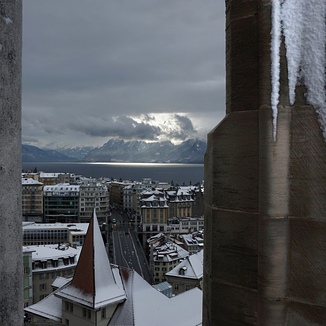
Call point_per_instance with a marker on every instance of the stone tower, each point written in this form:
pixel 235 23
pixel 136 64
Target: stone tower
pixel 11 263
pixel 265 198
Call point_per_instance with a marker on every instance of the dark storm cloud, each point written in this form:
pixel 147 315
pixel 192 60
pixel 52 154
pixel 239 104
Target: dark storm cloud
pixel 120 58
pixel 183 128
pixel 122 127
pixel 128 128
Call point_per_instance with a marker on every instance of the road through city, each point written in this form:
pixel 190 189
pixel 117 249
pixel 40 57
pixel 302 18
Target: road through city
pixel 127 250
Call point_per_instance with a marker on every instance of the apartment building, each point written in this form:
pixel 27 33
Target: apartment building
pixel 116 191
pixel 187 275
pixel 165 255
pixel 61 203
pixel 93 195
pixel 193 242
pixel 185 225
pixel 49 179
pixel 180 201
pixel 128 198
pixel 132 194
pixel 28 279
pixel 154 210
pixel 49 262
pixel 54 233
pixel 32 200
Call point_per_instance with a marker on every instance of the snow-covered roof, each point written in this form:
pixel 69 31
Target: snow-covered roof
pixel 93 284
pixel 146 306
pixel 50 253
pixel 49 175
pixel 153 198
pixel 73 228
pixel 60 281
pixel 61 187
pixel 31 182
pixel 155 237
pixel 169 251
pixel 160 238
pixel 192 239
pixel 192 267
pixel 49 308
pixel 46 252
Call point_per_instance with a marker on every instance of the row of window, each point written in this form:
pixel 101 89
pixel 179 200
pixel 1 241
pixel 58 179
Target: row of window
pixel 164 269
pixel 176 286
pixel 154 228
pixel 164 264
pixel 45 276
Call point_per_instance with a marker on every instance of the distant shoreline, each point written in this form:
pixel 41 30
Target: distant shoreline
pixel 177 172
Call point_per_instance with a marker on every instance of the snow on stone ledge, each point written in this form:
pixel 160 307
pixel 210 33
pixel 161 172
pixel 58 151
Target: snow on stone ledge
pixel 303 25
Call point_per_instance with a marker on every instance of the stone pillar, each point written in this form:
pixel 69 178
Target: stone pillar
pixel 11 267
pixel 265 199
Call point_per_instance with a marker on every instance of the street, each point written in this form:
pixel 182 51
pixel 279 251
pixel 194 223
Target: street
pixel 127 250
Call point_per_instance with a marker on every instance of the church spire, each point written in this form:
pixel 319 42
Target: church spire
pixel 93 283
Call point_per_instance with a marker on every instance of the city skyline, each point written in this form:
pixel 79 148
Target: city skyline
pixel 142 70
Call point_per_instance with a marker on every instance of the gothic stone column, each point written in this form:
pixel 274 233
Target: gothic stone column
pixel 265 199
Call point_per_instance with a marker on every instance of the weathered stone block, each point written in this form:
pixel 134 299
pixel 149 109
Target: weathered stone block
pixel 231 163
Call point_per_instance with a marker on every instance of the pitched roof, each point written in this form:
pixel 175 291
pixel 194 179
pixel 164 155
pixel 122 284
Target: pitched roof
pixel 192 267
pixel 93 284
pixel 146 306
pixel 49 308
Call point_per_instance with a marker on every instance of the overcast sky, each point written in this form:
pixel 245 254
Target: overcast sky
pixel 135 69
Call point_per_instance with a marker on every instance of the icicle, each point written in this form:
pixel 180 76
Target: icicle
pixel 303 25
pixel 275 58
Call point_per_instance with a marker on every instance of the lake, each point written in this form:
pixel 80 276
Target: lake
pixel 178 173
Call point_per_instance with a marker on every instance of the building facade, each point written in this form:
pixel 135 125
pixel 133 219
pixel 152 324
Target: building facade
pixel 154 211
pixel 61 203
pixel 164 257
pixel 28 277
pixel 32 200
pixel 186 275
pixel 93 195
pixel 49 262
pixel 35 234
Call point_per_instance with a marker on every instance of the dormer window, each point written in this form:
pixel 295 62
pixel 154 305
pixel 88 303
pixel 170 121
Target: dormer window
pixel 182 270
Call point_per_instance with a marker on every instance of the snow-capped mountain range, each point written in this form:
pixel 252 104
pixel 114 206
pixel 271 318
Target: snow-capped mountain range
pixel 117 150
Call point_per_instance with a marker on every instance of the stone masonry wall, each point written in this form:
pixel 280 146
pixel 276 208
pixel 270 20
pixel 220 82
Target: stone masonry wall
pixel 11 264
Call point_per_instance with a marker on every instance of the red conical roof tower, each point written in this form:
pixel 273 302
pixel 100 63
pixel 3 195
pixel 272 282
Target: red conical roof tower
pixel 93 284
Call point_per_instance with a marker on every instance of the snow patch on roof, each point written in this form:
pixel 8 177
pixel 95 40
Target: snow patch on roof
pixel 50 307
pixel 150 307
pixel 192 267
